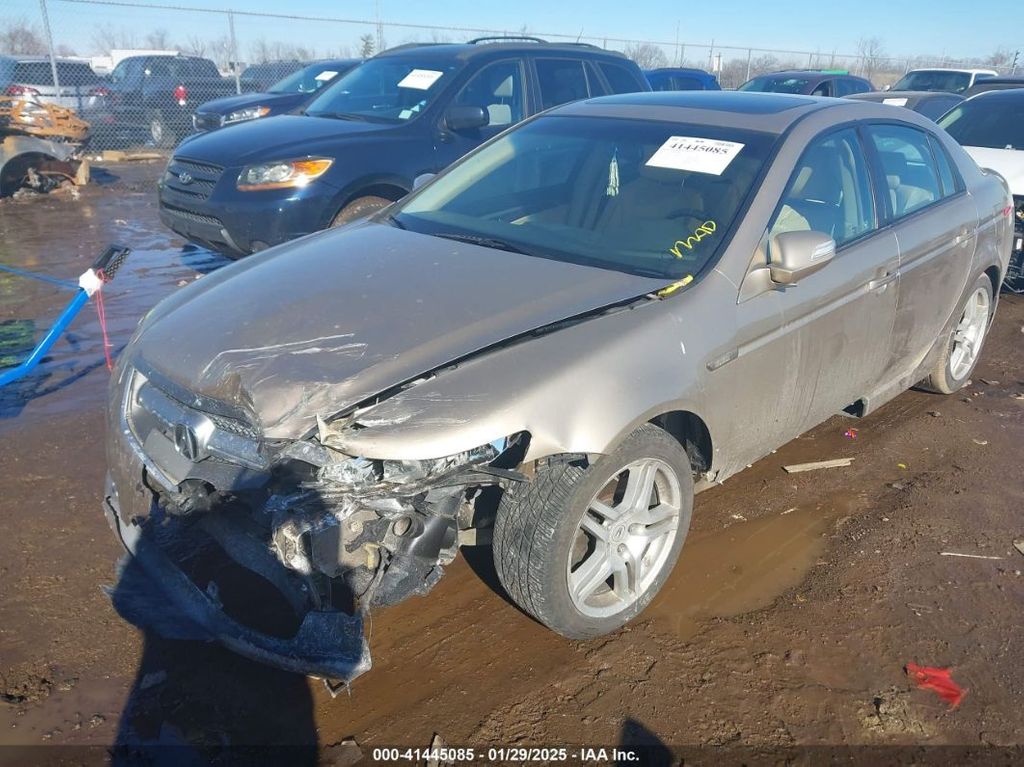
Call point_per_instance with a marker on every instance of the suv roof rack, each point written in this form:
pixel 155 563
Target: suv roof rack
pixel 505 38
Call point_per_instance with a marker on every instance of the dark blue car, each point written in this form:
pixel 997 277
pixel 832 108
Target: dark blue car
pixel 281 97
pixel 360 144
pixel 681 79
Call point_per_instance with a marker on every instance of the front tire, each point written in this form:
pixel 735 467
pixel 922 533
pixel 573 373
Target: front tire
pixel 585 548
pixel 359 208
pixel 962 347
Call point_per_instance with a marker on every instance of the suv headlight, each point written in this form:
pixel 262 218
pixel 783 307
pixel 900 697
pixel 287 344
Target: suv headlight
pixel 283 174
pixel 249 113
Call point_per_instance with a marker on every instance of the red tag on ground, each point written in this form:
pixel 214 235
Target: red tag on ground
pixel 939 680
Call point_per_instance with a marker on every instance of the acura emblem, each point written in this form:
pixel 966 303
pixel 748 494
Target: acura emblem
pixel 185 177
pixel 185 441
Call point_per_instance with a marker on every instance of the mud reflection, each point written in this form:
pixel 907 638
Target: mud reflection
pixel 741 568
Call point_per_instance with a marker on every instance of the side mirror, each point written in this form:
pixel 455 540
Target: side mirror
pixel 460 118
pixel 795 255
pixel 421 179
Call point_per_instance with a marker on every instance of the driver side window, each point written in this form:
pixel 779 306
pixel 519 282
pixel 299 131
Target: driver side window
pixel 498 90
pixel 830 191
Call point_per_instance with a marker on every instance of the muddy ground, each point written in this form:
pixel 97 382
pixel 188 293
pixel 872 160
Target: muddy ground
pixel 795 606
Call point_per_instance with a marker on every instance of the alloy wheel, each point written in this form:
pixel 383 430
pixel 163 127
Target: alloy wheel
pixel 624 538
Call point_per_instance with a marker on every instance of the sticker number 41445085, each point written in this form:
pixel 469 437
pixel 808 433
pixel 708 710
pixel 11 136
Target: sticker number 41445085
pixel 700 155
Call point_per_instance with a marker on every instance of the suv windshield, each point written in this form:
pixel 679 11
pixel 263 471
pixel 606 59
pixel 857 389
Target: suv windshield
pixel 649 198
pixel 934 80
pixel 771 84
pixel 384 90
pixel 309 79
pixel 987 121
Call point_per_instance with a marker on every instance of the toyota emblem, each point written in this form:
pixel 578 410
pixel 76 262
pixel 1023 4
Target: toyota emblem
pixel 185 178
pixel 185 441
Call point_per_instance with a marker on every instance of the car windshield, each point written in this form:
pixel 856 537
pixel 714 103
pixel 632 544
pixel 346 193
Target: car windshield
pixel 771 84
pixel 934 80
pixel 309 79
pixel 987 121
pixel 384 90
pixel 650 198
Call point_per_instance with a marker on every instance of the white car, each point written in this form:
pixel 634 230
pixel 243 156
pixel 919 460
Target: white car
pixel 990 126
pixel 942 79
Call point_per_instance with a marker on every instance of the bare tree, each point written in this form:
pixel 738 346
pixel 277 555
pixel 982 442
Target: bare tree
pixel 646 55
pixel 195 45
pixel 21 38
pixel 367 46
pixel 1001 58
pixel 872 56
pixel 105 39
pixel 158 39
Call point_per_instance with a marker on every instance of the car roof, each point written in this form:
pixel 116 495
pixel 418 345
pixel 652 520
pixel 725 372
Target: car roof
pixel 1005 80
pixel 807 74
pixel 490 46
pixel 765 112
pixel 951 69
pixel 1007 94
pixel 680 70
pixel 910 95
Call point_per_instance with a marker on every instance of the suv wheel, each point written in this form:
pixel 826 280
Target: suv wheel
pixel 584 549
pixel 160 133
pixel 963 345
pixel 359 208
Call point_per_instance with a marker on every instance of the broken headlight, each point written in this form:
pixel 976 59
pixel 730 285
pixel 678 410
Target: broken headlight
pixel 366 471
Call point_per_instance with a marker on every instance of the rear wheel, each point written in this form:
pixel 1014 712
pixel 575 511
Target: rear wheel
pixel 359 208
pixel 160 133
pixel 962 346
pixel 584 549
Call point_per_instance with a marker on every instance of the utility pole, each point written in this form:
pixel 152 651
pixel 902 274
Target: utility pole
pixel 234 51
pixel 49 46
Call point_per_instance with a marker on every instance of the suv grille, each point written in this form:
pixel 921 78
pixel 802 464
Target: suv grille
pixel 193 216
pixel 199 178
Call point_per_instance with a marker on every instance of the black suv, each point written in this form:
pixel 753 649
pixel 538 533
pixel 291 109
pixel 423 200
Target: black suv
pixel 152 97
pixel 362 142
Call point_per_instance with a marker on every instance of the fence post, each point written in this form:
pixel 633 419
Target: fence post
pixel 49 46
pixel 234 51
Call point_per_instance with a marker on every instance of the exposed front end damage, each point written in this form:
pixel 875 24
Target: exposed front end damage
pixel 276 549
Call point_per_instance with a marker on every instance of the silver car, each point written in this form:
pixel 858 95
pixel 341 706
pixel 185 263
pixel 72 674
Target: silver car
pixel 31 78
pixel 551 346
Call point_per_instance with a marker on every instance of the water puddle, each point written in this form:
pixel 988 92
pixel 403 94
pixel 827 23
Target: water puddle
pixel 60 238
pixel 741 568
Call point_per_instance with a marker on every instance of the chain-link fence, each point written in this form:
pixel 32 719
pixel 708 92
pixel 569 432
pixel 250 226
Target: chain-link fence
pixel 74 53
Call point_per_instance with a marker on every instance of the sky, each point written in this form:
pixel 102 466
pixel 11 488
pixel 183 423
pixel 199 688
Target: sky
pixel 950 28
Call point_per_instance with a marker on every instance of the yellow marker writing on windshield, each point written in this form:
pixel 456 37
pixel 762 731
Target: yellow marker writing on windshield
pixel 704 230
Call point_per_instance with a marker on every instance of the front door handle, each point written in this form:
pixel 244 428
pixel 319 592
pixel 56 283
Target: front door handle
pixel 882 278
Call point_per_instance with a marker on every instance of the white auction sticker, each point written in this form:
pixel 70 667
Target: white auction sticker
pixel 420 79
pixel 700 155
pixel 895 102
pixel 325 75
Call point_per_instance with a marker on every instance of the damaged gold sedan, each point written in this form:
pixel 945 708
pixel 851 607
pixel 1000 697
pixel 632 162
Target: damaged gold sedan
pixel 556 341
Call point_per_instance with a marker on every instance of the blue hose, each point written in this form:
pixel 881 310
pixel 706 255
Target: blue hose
pixel 65 319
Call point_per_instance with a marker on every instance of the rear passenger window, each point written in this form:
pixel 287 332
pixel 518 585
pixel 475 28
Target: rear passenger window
pixel 561 81
pixel 910 173
pixel 596 86
pixel 619 78
pixel 950 180
pixel 830 191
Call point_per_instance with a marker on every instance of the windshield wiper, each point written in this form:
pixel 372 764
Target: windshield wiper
pixel 340 116
pixel 486 242
pixel 391 219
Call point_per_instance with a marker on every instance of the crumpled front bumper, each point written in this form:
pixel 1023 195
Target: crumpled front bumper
pixel 154 593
